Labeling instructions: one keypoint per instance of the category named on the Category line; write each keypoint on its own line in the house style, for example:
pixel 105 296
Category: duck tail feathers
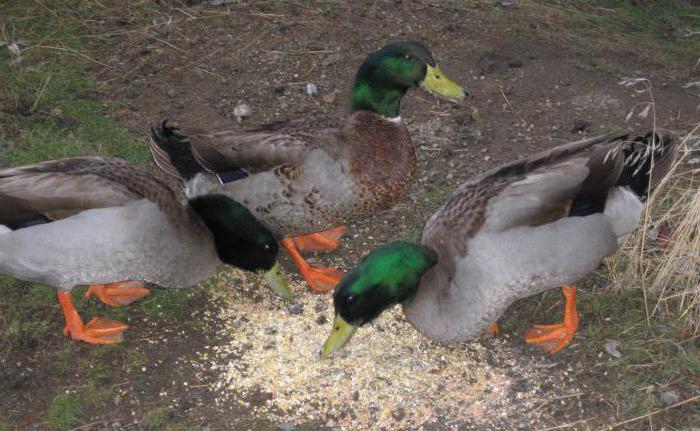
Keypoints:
pixel 172 152
pixel 648 159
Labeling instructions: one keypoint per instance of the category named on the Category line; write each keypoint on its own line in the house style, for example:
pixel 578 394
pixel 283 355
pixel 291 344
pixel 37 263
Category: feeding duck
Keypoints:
pixel 99 221
pixel 535 224
pixel 306 178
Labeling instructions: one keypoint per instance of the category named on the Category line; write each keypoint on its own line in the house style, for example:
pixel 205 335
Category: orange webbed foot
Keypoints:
pixel 327 240
pixel 98 331
pixel 322 280
pixel 119 294
pixel 550 338
pixel 553 338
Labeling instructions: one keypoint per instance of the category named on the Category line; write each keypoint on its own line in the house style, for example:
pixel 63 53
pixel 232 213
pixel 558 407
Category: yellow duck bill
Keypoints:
pixel 339 336
pixel 277 282
pixel 437 83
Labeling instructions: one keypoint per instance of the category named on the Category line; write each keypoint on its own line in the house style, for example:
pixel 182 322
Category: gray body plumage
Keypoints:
pixel 112 222
pixel 528 226
pixel 297 210
pixel 502 267
pixel 108 245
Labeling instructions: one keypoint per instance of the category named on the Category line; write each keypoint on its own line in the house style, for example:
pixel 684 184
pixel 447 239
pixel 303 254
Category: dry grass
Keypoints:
pixel 663 257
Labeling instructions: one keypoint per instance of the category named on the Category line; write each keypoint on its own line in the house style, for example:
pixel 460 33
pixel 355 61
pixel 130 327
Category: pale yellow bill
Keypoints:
pixel 339 336
pixel 440 85
pixel 277 282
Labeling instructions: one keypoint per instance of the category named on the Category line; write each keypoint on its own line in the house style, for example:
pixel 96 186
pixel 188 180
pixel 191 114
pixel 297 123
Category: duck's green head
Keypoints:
pixel 389 275
pixel 241 240
pixel 386 75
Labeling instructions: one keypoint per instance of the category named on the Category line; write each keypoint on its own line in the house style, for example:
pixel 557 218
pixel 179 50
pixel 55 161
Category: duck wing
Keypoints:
pixel 61 188
pixel 183 153
pixel 532 191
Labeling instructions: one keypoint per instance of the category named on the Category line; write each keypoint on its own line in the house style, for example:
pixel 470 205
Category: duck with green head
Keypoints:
pixel 525 227
pixel 99 221
pixel 306 178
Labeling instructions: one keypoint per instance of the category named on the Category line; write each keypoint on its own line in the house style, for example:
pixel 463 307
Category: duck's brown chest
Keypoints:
pixel 382 162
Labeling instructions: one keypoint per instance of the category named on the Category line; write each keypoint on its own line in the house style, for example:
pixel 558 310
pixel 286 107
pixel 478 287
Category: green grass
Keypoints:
pixel 437 195
pixel 67 409
pixel 655 30
pixel 63 412
pixel 656 357
pixel 166 418
pixel 158 418
pixel 51 107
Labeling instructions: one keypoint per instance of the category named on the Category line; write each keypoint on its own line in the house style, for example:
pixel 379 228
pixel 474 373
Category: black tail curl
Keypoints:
pixel 647 160
pixel 172 152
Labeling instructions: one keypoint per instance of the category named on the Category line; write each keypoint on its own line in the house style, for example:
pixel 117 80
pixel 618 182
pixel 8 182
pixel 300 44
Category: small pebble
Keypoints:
pixel 241 110
pixel 331 60
pixel 613 348
pixel 14 49
pixel 311 89
pixel 66 122
pixel 199 72
pixel 669 397
pixel 580 126
pixel 295 308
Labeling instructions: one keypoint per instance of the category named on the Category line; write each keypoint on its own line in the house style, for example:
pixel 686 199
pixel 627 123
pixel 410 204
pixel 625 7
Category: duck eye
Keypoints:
pixel 265 247
pixel 349 299
pixel 407 56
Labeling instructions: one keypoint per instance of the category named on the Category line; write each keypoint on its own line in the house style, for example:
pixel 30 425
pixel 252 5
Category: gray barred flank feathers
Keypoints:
pixel 4 229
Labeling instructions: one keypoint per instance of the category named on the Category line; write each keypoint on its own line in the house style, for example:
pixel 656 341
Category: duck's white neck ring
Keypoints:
pixel 395 120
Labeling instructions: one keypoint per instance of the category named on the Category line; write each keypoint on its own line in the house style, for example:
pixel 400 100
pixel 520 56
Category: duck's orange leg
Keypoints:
pixel 119 294
pixel 494 329
pixel 98 331
pixel 327 240
pixel 553 338
pixel 320 279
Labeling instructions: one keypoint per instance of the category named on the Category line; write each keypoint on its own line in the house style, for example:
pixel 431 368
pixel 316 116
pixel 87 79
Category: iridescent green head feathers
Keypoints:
pixel 241 240
pixel 389 275
pixel 386 75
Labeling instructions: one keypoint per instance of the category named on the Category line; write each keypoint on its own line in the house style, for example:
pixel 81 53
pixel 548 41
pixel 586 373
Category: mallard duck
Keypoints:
pixel 99 221
pixel 315 174
pixel 525 227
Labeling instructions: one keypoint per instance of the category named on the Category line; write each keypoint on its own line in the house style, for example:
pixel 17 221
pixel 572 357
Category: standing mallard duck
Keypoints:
pixel 317 173
pixel 99 220
pixel 528 226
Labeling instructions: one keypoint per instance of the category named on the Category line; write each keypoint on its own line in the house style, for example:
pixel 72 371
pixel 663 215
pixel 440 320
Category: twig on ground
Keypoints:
pixel 568 425
pixel 40 94
pixel 655 412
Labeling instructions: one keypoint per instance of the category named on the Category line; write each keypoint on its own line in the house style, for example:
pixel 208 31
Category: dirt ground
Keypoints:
pixel 531 88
